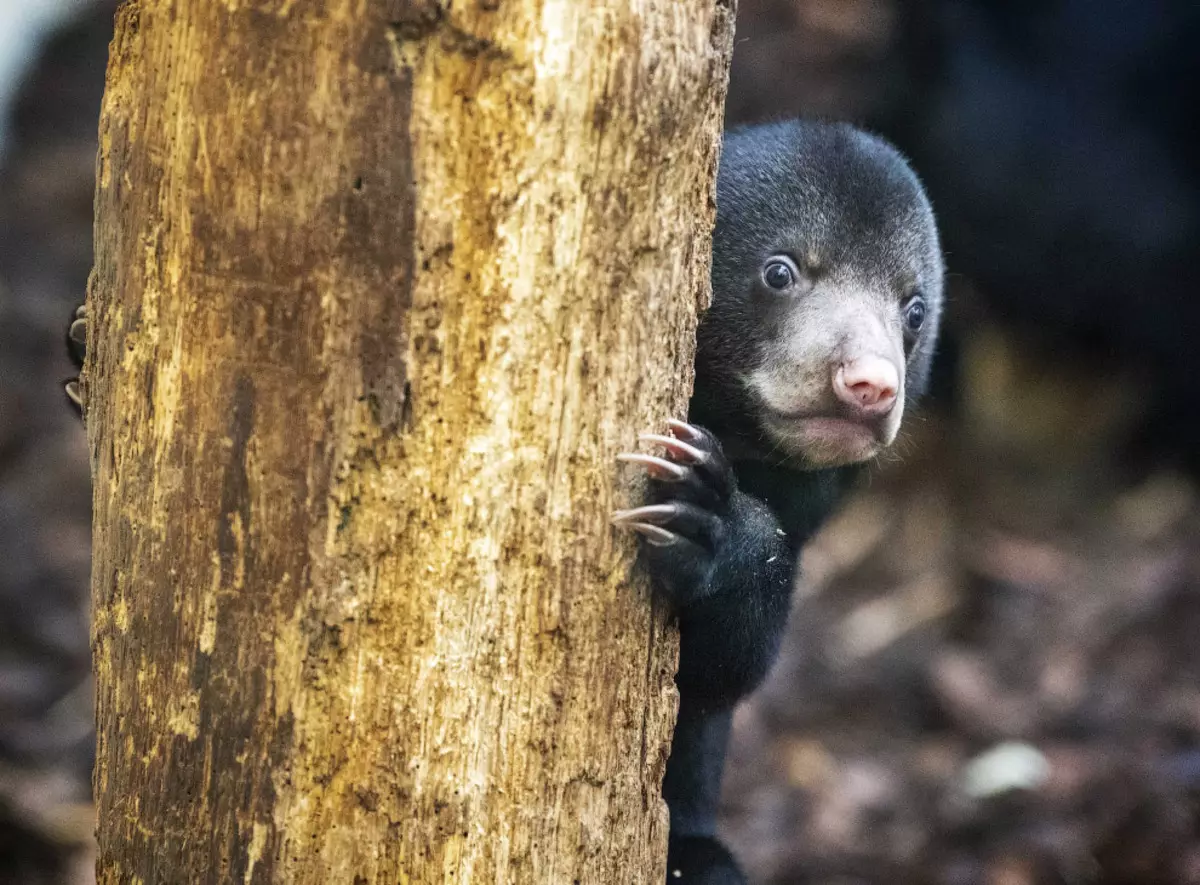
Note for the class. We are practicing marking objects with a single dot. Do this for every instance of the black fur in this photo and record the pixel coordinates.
(747, 509)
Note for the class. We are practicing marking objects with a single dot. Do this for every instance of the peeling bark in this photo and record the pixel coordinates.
(380, 292)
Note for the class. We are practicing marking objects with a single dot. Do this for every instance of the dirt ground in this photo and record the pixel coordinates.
(992, 674)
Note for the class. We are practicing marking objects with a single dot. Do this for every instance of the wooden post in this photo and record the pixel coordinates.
(381, 289)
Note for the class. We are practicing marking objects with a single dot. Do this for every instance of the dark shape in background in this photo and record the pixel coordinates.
(1015, 603)
(1057, 141)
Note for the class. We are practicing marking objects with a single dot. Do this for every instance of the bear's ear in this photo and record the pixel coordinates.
(701, 860)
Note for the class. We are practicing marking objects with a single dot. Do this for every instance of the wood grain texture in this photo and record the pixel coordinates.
(381, 289)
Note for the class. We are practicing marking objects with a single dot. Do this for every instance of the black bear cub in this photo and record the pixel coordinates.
(827, 292)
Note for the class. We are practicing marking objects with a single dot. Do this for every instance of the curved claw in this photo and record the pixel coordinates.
(653, 514)
(74, 393)
(677, 447)
(659, 468)
(658, 537)
(685, 431)
(78, 331)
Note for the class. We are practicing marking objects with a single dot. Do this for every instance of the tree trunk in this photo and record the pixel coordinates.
(381, 289)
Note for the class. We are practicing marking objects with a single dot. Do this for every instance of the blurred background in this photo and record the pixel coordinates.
(993, 670)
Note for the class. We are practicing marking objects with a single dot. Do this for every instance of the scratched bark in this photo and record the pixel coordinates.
(381, 289)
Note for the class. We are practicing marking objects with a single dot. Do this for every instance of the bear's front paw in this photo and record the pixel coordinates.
(687, 521)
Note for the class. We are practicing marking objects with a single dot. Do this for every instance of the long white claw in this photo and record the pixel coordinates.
(660, 468)
(74, 394)
(78, 331)
(654, 535)
(677, 447)
(684, 431)
(655, 514)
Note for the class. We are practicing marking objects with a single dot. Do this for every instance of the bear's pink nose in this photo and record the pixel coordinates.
(868, 383)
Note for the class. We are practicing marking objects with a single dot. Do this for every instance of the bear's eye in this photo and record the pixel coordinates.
(914, 315)
(780, 273)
